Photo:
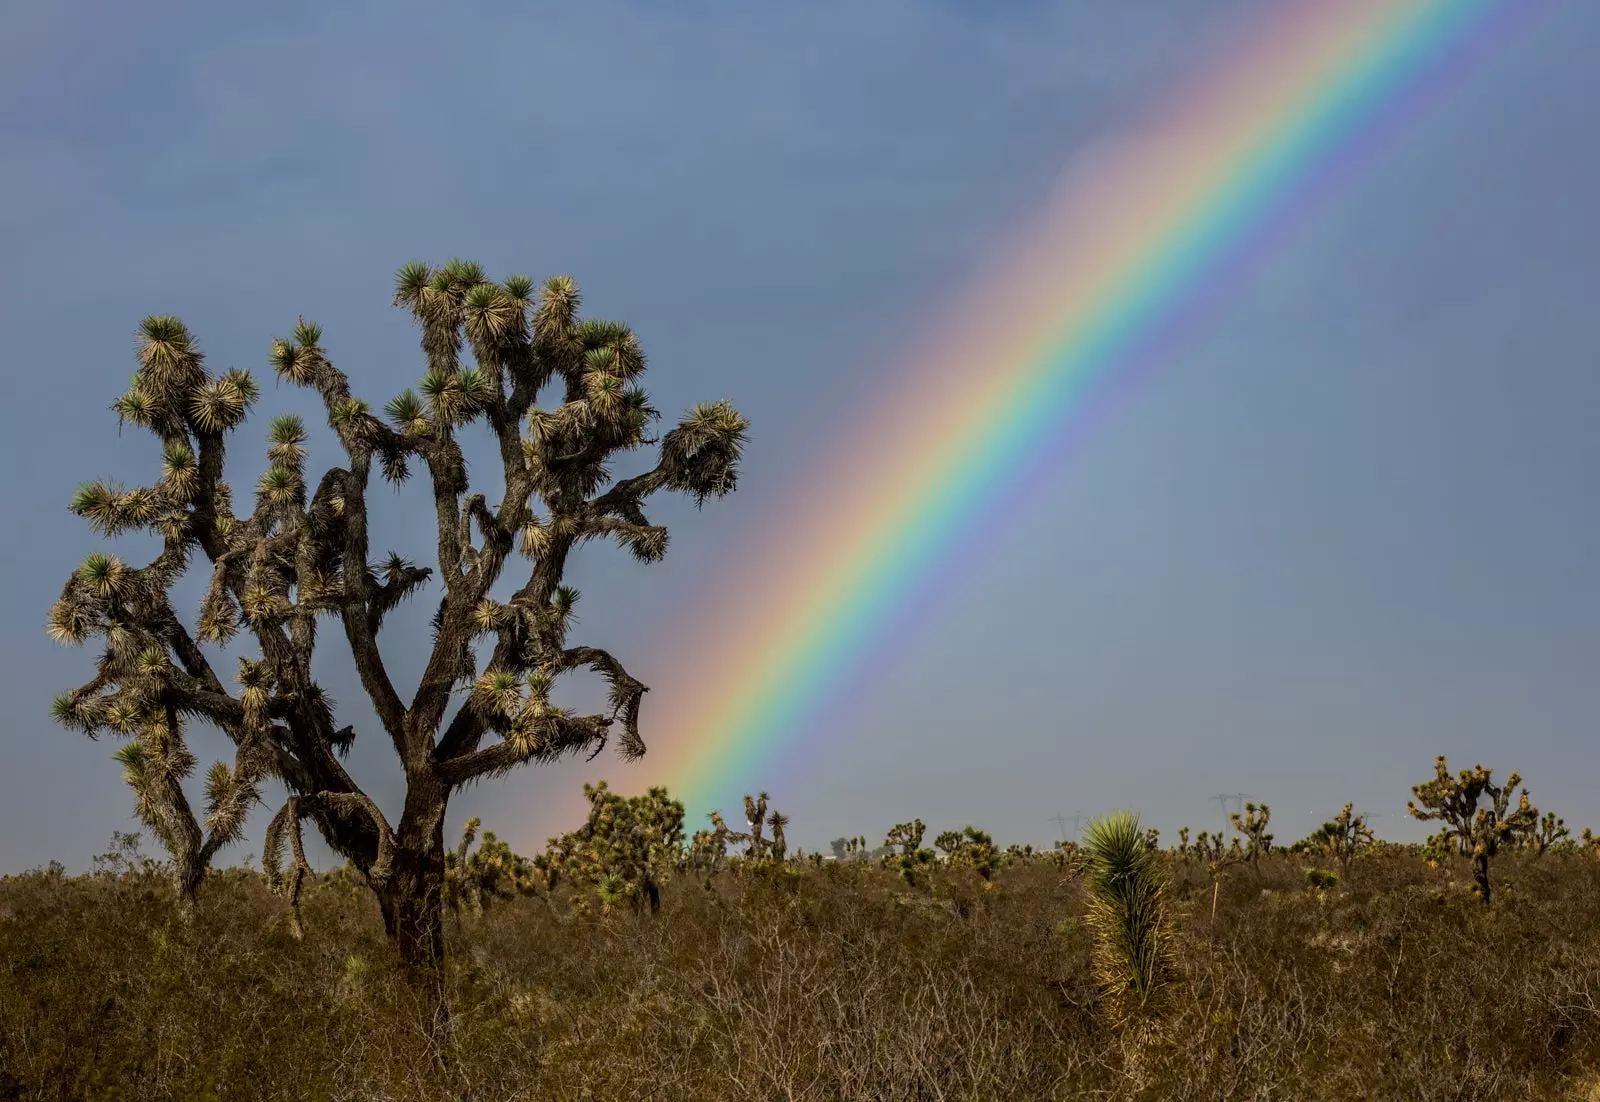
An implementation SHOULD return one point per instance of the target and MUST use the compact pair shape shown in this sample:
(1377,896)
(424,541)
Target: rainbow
(1137,232)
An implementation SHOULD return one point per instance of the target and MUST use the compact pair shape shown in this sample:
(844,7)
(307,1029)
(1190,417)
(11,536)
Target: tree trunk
(1480,873)
(412,902)
(412,899)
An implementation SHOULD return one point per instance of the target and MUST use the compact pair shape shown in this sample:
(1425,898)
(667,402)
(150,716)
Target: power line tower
(1061,822)
(1238,799)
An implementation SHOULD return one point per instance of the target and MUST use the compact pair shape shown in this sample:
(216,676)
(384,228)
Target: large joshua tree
(302,555)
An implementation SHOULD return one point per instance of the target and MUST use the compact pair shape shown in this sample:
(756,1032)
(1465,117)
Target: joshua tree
(708,849)
(1469,829)
(302,554)
(1127,911)
(1254,827)
(1340,839)
(755,812)
(779,846)
(908,836)
(625,850)
(489,873)
(1549,831)
(972,848)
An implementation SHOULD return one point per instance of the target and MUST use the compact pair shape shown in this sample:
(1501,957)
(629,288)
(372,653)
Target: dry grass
(807,983)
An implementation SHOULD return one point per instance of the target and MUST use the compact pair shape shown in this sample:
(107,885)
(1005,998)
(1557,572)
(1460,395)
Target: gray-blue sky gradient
(1347,525)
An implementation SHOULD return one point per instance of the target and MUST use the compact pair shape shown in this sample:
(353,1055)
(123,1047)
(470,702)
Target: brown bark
(412,898)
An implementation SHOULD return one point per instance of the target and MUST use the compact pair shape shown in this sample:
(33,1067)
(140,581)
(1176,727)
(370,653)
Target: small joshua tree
(708,849)
(1127,911)
(1340,839)
(755,812)
(488,874)
(1258,843)
(625,850)
(911,855)
(970,848)
(779,846)
(1549,831)
(1468,828)
(1207,847)
(301,555)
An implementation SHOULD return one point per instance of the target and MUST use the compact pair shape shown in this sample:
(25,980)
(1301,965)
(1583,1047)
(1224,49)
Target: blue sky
(1346,526)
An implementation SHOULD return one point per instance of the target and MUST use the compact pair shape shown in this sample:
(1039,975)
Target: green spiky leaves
(408,414)
(456,397)
(105,574)
(701,456)
(1126,911)
(286,438)
(97,503)
(218,405)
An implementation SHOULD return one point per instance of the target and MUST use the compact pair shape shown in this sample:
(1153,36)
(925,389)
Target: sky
(1345,526)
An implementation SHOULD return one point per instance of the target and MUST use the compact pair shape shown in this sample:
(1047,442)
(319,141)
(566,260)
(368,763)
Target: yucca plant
(1127,912)
(300,554)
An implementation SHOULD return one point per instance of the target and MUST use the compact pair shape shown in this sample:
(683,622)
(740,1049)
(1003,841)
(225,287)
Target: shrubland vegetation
(626,961)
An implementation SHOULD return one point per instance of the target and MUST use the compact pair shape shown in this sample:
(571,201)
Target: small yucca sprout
(307,333)
(1127,912)
(519,287)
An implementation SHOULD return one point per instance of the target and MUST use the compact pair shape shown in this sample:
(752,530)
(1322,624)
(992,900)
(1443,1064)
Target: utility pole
(1222,799)
(1061,822)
